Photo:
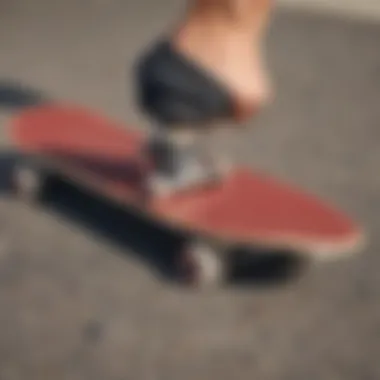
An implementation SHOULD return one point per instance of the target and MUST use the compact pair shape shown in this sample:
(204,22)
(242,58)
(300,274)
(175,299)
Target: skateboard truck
(179,161)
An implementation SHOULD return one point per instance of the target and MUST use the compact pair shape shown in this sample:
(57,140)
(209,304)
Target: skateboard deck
(246,207)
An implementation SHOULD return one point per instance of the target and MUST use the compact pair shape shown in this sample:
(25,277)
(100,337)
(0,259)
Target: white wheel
(28,182)
(202,265)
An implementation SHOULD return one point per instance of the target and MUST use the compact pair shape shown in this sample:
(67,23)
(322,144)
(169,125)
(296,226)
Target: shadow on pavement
(14,95)
(153,244)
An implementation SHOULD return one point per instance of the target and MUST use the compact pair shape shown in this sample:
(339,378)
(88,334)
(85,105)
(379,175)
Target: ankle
(241,16)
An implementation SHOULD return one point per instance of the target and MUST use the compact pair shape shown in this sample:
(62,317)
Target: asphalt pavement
(85,291)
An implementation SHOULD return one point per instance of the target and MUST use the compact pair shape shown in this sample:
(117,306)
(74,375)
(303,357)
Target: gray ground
(78,300)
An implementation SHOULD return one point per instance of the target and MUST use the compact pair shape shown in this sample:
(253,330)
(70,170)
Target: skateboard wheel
(28,182)
(202,265)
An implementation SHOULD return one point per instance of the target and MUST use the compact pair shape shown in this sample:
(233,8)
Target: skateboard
(246,208)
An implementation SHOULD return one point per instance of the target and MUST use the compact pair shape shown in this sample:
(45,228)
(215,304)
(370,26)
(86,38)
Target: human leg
(208,70)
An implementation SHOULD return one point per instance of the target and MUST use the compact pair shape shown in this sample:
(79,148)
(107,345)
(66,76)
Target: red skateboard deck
(247,207)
